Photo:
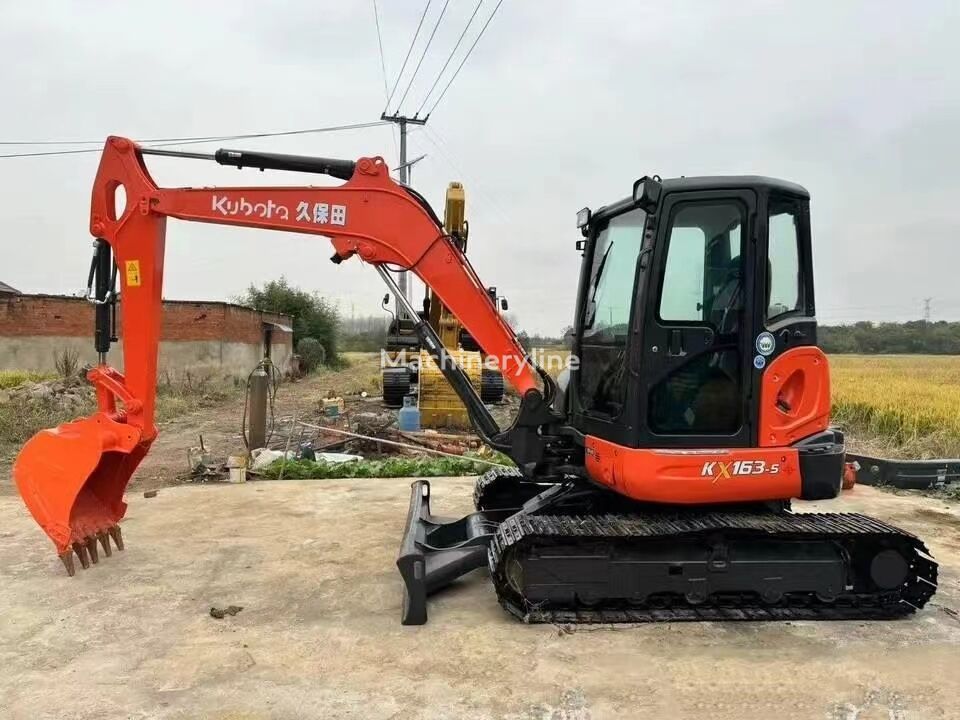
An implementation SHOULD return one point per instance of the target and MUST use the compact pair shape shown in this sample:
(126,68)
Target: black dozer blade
(434,551)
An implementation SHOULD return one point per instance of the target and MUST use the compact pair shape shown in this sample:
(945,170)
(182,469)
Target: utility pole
(403,121)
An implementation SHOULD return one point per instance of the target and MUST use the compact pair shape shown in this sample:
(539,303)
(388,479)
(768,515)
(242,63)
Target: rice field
(904,405)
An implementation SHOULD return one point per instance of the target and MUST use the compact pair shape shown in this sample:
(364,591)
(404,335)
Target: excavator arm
(370,216)
(72,477)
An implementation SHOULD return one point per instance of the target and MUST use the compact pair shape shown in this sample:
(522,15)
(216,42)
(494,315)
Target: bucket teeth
(81,550)
(117,537)
(105,542)
(92,549)
(67,559)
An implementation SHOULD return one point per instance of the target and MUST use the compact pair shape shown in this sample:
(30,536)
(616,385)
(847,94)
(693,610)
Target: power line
(409,50)
(434,138)
(50,142)
(383,67)
(383,64)
(160,142)
(465,58)
(449,58)
(423,54)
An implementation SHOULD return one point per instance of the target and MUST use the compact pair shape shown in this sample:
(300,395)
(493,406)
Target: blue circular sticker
(759,361)
(766,343)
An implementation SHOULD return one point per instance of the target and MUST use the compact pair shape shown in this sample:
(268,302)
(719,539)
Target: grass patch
(21,419)
(13,378)
(390,468)
(188,392)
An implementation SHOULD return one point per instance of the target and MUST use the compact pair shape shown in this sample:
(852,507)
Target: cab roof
(724,182)
(761,183)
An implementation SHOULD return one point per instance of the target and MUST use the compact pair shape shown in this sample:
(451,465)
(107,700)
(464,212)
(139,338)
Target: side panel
(693,477)
(794,397)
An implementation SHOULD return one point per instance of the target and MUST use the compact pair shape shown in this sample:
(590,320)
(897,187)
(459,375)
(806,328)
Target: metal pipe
(258,389)
(401,298)
(404,168)
(177,153)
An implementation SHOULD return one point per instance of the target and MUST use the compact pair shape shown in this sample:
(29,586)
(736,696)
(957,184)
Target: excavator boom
(72,478)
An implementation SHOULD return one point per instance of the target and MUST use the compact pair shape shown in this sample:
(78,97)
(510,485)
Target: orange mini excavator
(653,479)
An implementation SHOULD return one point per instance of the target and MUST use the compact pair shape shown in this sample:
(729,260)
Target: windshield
(614,266)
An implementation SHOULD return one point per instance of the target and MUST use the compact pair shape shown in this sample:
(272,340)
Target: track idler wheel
(889,569)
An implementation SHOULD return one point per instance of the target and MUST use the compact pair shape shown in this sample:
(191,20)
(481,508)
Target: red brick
(59,316)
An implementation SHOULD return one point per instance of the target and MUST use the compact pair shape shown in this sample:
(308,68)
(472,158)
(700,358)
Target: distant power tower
(926,309)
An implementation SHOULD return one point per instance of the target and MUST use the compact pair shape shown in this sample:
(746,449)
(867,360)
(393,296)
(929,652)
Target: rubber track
(522,531)
(490,478)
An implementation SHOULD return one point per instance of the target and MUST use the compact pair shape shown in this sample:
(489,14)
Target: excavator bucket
(72,479)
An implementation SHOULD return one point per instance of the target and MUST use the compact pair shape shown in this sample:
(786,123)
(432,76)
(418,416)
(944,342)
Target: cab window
(785,287)
(606,313)
(702,278)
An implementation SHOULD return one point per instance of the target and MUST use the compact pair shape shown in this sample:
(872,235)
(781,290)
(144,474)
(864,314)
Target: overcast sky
(562,104)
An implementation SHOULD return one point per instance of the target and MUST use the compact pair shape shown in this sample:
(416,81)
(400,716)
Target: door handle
(675,346)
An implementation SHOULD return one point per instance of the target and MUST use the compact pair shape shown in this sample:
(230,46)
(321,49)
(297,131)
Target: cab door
(695,365)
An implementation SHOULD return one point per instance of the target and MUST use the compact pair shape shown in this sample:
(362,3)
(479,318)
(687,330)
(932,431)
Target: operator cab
(688,290)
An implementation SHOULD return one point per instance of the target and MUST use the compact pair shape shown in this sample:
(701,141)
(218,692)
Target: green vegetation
(13,378)
(867,338)
(530,342)
(313,316)
(20,419)
(312,353)
(189,392)
(392,467)
(365,341)
(67,362)
(24,414)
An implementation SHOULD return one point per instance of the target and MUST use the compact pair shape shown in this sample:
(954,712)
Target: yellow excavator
(406,363)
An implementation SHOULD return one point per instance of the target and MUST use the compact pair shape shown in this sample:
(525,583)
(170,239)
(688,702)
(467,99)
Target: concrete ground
(311,562)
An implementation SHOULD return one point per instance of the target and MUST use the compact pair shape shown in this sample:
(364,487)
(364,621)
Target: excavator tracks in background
(708,566)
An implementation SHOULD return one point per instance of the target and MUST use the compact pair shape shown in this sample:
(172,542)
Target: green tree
(313,315)
(915,336)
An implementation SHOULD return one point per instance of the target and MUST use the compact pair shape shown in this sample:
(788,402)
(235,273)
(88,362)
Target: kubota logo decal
(723,470)
(315,213)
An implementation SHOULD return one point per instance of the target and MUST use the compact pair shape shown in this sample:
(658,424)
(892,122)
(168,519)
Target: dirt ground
(312,565)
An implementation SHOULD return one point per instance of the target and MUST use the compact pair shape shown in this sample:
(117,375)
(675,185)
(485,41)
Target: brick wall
(55,315)
(211,334)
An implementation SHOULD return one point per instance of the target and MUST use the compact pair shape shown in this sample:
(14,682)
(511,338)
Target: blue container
(409,416)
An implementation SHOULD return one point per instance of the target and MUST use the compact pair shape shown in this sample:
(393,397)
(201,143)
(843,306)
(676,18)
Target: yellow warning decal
(133,273)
